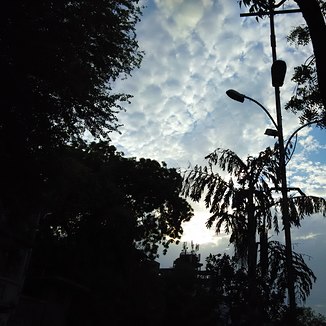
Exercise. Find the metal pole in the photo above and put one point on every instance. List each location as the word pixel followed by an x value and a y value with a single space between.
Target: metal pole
pixel 252 257
pixel 285 201
pixel 285 208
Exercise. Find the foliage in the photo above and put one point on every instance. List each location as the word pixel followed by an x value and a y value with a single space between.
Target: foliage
pixel 228 200
pixel 230 287
pixel 308 99
pixel 259 6
pixel 104 216
pixel 306 316
pixel 229 279
pixel 58 62
pixel 229 283
pixel 303 275
pixel 245 205
pixel 304 206
pixel 94 188
pixel 299 35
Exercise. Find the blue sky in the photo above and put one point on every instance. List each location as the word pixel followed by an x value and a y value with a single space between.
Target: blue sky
pixel 195 51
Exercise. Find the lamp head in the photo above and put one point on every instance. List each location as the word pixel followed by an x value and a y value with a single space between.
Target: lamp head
pixel 278 73
pixel 271 132
pixel 234 95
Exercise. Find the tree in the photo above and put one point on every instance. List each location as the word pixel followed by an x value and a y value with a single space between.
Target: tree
pixel 240 205
pixel 312 72
pixel 244 206
pixel 58 62
pixel 228 284
pixel 230 287
pixel 104 217
pixel 306 316
pixel 306 100
pixel 96 180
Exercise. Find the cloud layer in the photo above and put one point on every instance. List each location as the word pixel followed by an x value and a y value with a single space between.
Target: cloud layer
pixel 195 51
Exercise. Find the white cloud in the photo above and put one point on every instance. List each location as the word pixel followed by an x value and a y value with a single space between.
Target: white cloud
pixel 195 51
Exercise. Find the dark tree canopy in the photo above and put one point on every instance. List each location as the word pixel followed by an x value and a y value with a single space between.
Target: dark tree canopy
pixel 58 60
pixel 229 284
pixel 103 217
pixel 94 188
pixel 307 100
pixel 310 98
pixel 244 205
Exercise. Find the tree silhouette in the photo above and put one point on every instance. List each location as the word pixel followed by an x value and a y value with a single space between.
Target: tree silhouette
pixel 104 217
pixel 58 62
pixel 306 316
pixel 230 287
pixel 243 206
pixel 310 99
pixel 242 201
pixel 307 99
pixel 240 205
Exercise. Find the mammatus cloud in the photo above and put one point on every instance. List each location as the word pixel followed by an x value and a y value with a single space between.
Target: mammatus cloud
pixel 195 51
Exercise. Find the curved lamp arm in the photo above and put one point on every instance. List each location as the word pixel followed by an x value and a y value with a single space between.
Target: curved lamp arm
pixel 297 130
pixel 265 110
pixel 235 95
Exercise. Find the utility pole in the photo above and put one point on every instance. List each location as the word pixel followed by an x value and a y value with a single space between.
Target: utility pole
pixel 271 12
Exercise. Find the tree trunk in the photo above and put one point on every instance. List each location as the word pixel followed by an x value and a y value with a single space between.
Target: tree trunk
pixel 252 260
pixel 315 21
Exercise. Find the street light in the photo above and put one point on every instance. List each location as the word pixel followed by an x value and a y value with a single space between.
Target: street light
pixel 278 132
pixel 278 73
pixel 271 132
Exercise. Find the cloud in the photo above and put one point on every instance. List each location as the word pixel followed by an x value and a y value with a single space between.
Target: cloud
pixel 181 17
pixel 310 144
pixel 195 51
pixel 310 240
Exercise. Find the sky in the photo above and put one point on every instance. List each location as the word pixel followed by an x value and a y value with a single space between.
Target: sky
pixel 195 50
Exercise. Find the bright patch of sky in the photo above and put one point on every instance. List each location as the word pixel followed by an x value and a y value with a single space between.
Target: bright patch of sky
pixel 195 51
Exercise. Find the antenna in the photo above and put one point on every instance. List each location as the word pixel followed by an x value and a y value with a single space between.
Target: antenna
pixel 184 247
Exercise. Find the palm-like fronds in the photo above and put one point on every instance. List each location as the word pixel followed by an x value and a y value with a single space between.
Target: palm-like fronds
pixel 243 203
pixel 227 161
pixel 228 200
pixel 303 275
pixel 302 206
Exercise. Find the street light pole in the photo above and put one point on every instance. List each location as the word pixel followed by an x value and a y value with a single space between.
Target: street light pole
pixel 271 12
pixel 285 206
pixel 278 69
